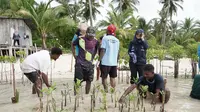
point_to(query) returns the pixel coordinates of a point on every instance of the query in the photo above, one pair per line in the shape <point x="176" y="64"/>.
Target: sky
<point x="149" y="9"/>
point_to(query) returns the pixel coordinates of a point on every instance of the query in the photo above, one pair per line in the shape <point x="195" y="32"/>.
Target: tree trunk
<point x="90" y="5"/>
<point x="176" y="68"/>
<point x="194" y="68"/>
<point x="44" y="46"/>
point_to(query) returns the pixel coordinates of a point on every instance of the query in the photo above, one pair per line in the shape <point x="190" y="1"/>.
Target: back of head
<point x="148" y="68"/>
<point x="111" y="29"/>
<point x="91" y="32"/>
<point x="83" y="26"/>
<point x="56" y="51"/>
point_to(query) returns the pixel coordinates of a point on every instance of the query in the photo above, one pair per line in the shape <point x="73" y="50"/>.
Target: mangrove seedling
<point x="112" y="90"/>
<point x="21" y="54"/>
<point x="162" y="108"/>
<point x="104" y="99"/>
<point x="77" y="92"/>
<point x="16" y="94"/>
<point x="144" y="90"/>
<point x="50" y="99"/>
<point x="153" y="102"/>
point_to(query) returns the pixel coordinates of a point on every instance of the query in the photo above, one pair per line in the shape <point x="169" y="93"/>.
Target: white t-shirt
<point x="37" y="61"/>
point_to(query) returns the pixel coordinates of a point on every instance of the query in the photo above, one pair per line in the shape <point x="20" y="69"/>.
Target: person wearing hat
<point x="109" y="57"/>
<point x="84" y="69"/>
<point x="137" y="52"/>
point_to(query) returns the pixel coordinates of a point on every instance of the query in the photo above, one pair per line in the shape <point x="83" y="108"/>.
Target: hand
<point x="142" y="37"/>
<point x="122" y="100"/>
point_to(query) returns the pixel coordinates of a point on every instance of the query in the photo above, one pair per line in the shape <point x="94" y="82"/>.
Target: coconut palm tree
<point x="126" y="4"/>
<point x="44" y="18"/>
<point x="90" y="10"/>
<point x="188" y="25"/>
<point x="169" y="9"/>
<point x="70" y="9"/>
<point x="122" y="20"/>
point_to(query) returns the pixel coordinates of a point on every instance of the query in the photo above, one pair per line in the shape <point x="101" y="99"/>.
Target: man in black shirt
<point x="154" y="82"/>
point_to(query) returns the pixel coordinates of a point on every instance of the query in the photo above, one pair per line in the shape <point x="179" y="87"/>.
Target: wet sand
<point x="179" y="101"/>
<point x="61" y="74"/>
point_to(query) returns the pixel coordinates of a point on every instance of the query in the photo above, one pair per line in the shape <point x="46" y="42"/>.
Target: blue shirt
<point x="76" y="47"/>
<point x="111" y="45"/>
<point x="156" y="83"/>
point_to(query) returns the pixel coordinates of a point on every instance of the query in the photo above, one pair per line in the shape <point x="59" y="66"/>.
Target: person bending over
<point x="35" y="67"/>
<point x="155" y="84"/>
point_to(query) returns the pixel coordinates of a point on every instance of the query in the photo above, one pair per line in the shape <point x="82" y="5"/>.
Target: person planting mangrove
<point x="154" y="81"/>
<point x="84" y="68"/>
<point x="137" y="52"/>
<point x="35" y="67"/>
<point x="109" y="57"/>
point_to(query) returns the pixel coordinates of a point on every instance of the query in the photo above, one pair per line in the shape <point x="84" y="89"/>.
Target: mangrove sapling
<point x="131" y="98"/>
<point x="104" y="99"/>
<point x="92" y="104"/>
<point x="77" y="91"/>
<point x="144" y="90"/>
<point x="153" y="102"/>
<point x="50" y="99"/>
<point x="162" y="108"/>
<point x="112" y="90"/>
<point x="15" y="99"/>
<point x="62" y="100"/>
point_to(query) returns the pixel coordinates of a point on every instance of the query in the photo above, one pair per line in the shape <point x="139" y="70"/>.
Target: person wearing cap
<point x="137" y="53"/>
<point x="84" y="69"/>
<point x="109" y="57"/>
<point x="81" y="31"/>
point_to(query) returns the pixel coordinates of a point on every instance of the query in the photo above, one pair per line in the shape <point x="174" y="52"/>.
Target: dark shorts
<point x="111" y="70"/>
<point x="32" y="76"/>
<point x="83" y="74"/>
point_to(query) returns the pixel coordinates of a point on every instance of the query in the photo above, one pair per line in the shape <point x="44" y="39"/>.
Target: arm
<point x="127" y="91"/>
<point x="75" y="42"/>
<point x="103" y="49"/>
<point x="102" y="52"/>
<point x="145" y="44"/>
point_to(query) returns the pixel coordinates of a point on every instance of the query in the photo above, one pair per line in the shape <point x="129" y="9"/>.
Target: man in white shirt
<point x="35" y="67"/>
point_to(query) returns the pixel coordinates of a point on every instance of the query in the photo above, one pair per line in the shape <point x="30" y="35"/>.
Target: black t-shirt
<point x="156" y="83"/>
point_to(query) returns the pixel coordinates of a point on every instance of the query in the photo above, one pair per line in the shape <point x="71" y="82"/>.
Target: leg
<point x="78" y="77"/>
<point x="33" y="90"/>
<point x="17" y="42"/>
<point x="104" y="74"/>
<point x="113" y="75"/>
<point x="87" y="87"/>
<point x="140" y="70"/>
<point x="38" y="86"/>
<point x="14" y="42"/>
<point x="133" y="72"/>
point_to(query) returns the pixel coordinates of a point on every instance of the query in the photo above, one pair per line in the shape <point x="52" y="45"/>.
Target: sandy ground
<point x="61" y="74"/>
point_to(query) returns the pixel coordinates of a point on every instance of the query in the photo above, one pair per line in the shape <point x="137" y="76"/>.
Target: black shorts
<point x="111" y="70"/>
<point x="82" y="74"/>
<point x="32" y="76"/>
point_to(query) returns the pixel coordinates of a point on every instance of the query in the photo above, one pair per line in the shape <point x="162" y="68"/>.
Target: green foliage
<point x="176" y="51"/>
<point x="12" y="59"/>
<point x="49" y="90"/>
<point x="144" y="89"/>
<point x="161" y="54"/>
<point x="150" y="54"/>
<point x="192" y="51"/>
